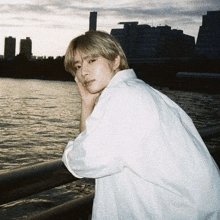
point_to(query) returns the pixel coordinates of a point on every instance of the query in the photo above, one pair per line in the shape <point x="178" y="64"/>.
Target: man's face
<point x="94" y="73"/>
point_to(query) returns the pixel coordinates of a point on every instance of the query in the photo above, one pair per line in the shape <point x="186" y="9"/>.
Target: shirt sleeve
<point x="113" y="131"/>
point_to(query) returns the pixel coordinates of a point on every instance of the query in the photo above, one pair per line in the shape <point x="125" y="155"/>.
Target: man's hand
<point x="86" y="97"/>
<point x="88" y="103"/>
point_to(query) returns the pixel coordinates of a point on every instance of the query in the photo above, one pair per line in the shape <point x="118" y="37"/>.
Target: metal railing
<point x="79" y="209"/>
<point x="23" y="182"/>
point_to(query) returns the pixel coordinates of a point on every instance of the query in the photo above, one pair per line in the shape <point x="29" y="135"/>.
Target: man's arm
<point x="115" y="131"/>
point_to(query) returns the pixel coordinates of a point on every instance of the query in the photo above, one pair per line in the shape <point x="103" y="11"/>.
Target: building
<point x="144" y="41"/>
<point x="208" y="41"/>
<point x="26" y="47"/>
<point x="9" y="52"/>
<point x="92" y="21"/>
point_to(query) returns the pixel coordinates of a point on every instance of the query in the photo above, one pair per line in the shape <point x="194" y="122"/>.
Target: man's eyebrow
<point x="76" y="61"/>
<point x="85" y="58"/>
<point x="89" y="56"/>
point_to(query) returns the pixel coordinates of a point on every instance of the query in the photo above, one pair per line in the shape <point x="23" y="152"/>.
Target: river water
<point x="38" y="118"/>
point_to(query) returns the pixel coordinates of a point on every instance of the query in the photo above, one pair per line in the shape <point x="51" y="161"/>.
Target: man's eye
<point x="92" y="60"/>
<point x="77" y="67"/>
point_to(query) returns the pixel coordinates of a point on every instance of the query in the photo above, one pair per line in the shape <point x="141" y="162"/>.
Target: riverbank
<point x="162" y="72"/>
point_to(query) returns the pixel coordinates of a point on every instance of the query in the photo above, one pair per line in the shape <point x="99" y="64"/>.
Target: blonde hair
<point x="95" y="43"/>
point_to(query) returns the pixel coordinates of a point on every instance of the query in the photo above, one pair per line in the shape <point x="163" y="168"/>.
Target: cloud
<point x="69" y="18"/>
<point x="126" y="9"/>
<point x="60" y="14"/>
<point x="27" y="8"/>
<point x="10" y="25"/>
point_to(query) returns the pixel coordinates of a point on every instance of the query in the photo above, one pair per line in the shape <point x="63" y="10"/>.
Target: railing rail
<point x="76" y="209"/>
<point x="23" y="182"/>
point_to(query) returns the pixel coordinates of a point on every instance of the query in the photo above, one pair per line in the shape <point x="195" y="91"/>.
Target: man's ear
<point x="116" y="64"/>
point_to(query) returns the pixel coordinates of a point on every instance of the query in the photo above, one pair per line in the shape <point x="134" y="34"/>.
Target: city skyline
<point x="52" y="24"/>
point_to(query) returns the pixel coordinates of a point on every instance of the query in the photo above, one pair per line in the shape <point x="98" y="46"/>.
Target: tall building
<point x="10" y="44"/>
<point x="26" y="47"/>
<point x="144" y="41"/>
<point x="92" y="21"/>
<point x="208" y="41"/>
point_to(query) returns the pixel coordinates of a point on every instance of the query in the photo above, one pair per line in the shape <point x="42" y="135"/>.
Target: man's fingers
<point x="76" y="79"/>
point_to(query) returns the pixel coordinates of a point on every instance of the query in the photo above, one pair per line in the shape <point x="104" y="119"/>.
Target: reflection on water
<point x="38" y="118"/>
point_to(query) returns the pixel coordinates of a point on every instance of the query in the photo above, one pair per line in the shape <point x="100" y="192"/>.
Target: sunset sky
<point x="51" y="24"/>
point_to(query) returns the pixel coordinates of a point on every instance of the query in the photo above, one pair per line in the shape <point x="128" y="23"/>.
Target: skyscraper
<point x="92" y="21"/>
<point x="9" y="52"/>
<point x="208" y="41"/>
<point x="26" y="47"/>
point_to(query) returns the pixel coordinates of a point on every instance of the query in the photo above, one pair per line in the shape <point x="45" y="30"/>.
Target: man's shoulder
<point x="129" y="91"/>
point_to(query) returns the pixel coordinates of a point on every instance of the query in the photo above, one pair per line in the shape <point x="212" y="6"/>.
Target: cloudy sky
<point x="51" y="24"/>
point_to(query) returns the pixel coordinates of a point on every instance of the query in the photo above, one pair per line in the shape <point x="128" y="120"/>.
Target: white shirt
<point x="146" y="155"/>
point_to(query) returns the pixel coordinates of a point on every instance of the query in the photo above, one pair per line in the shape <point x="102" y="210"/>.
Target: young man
<point x="146" y="155"/>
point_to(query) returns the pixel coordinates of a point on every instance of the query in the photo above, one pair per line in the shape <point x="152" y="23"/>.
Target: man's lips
<point x="88" y="82"/>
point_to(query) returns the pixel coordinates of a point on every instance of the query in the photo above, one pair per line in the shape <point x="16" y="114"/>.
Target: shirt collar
<point x="121" y="76"/>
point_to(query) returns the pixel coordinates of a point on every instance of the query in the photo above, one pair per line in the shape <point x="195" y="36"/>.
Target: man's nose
<point x="84" y="70"/>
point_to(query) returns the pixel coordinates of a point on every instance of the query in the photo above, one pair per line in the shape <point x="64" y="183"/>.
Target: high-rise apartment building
<point x="144" y="41"/>
<point x="9" y="52"/>
<point x="208" y="41"/>
<point x="26" y="47"/>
